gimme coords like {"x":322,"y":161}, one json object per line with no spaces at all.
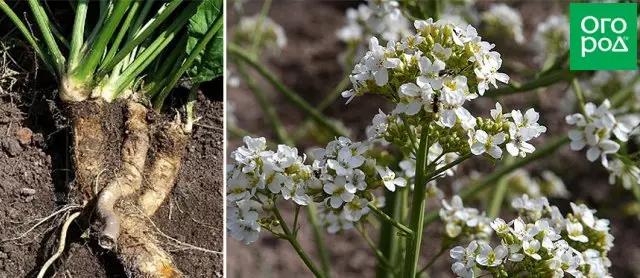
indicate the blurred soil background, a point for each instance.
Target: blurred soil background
{"x":309,"y":64}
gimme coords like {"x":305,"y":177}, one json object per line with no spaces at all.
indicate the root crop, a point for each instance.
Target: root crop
{"x":135,"y":192}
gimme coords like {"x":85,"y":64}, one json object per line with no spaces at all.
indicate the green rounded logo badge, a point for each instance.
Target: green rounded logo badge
{"x":604,"y":36}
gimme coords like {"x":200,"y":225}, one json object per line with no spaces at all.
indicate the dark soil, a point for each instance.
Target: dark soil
{"x":309,"y":65}
{"x":35,"y":174}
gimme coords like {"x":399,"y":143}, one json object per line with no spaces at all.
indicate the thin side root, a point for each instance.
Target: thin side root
{"x":129,"y":178}
{"x":164,"y":168}
{"x":63,"y":239}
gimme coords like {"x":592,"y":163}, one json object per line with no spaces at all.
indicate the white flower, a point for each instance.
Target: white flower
{"x":488,"y":73}
{"x":242,"y":220}
{"x":629,"y":174}
{"x":601,"y":149}
{"x":345,"y":162}
{"x":414,"y":97}
{"x":429,"y":68}
{"x":500,"y":226}
{"x":487,"y":143}
{"x":496,"y":114}
{"x":490,"y":257}
{"x":507,"y":18}
{"x":574,"y":231}
{"x":518,"y":145}
{"x":379,"y":126}
{"x":531,"y":248}
{"x":377,"y":62}
{"x":464,"y":260}
{"x":339,"y":194}
{"x":452,"y":110}
{"x":584,"y":213}
{"x":522,"y":231}
{"x":514,"y":253}
{"x":355,"y":209}
{"x":389,"y":178}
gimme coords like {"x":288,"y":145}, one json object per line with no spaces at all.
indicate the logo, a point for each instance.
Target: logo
{"x":603,"y":36}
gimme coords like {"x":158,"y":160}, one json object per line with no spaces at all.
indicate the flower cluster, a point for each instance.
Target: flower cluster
{"x":595,"y":129}
{"x":551,"y":38}
{"x":377,"y":18}
{"x":256,"y":178}
{"x":430,"y":76}
{"x":540,"y":242}
{"x":464,"y":222}
{"x":272,"y":35}
{"x":501,"y":20}
{"x":338,"y":182}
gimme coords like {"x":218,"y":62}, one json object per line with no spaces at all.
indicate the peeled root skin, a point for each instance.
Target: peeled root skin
{"x":129,"y":177}
{"x":140,"y":253}
{"x":163,"y":169}
{"x":88,"y":142}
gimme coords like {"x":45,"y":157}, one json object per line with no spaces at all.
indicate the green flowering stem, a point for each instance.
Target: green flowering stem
{"x":318,"y":240}
{"x":379,"y":254}
{"x":497,"y":198}
{"x":412,"y":254}
{"x":389,"y":240}
{"x":542,"y":81}
{"x":385,"y":217}
{"x":289,"y":236}
{"x":267,"y":107}
{"x":443,"y":169}
{"x":304,"y":127}
{"x":259,"y":32}
{"x":578,"y":91}
{"x":493,"y":178}
{"x":498,"y":193}
{"x":237,"y":52}
{"x":331,"y":97}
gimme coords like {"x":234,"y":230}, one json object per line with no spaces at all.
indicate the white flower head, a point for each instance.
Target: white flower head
{"x":389,"y":178}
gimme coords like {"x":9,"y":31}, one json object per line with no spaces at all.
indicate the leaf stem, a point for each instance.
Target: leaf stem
{"x":432,"y":260}
{"x":492,"y":178}
{"x":412,"y":254}
{"x":235,"y":51}
{"x":390,"y":220}
{"x":267,"y":107}
{"x":46,"y":59}
{"x":43,"y":23}
{"x":318,"y":240}
{"x":175,"y":76}
{"x":578,"y":91}
{"x":259,"y":32}
{"x":151,"y":26}
{"x":77,"y":35}
{"x":542,"y":81}
{"x":85,"y":70}
{"x":289,"y":237}
{"x":381,"y":258}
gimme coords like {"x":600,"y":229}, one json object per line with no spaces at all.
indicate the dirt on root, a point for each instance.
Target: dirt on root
{"x":35,"y":174}
{"x":309,"y":65}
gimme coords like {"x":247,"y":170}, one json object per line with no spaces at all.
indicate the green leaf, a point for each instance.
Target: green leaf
{"x":208,"y":65}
